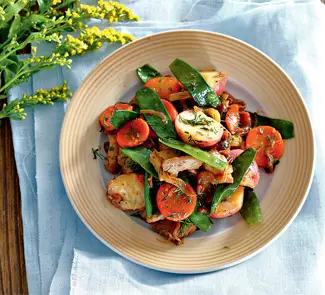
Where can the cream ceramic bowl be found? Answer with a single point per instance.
(254, 78)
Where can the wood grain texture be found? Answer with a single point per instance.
(12, 262)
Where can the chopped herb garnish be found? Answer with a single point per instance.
(178, 192)
(197, 120)
(96, 154)
(191, 139)
(133, 133)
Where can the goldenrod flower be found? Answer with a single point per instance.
(91, 39)
(15, 108)
(109, 10)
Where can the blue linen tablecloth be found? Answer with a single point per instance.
(59, 247)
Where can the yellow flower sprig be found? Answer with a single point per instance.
(105, 10)
(33, 65)
(91, 39)
(16, 108)
(108, 10)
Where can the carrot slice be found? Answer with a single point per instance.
(233, 118)
(170, 109)
(268, 143)
(174, 204)
(164, 86)
(133, 133)
(106, 116)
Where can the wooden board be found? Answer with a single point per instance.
(12, 261)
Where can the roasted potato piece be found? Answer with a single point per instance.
(126, 191)
(196, 128)
(231, 205)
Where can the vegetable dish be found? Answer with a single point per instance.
(186, 152)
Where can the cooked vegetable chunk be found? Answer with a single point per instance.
(268, 143)
(126, 191)
(164, 86)
(216, 80)
(285, 127)
(231, 205)
(120, 117)
(174, 204)
(106, 116)
(173, 231)
(111, 162)
(157, 159)
(133, 133)
(178, 164)
(197, 129)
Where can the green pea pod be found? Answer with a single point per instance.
(120, 117)
(141, 156)
(196, 153)
(147, 198)
(202, 221)
(147, 72)
(148, 99)
(196, 85)
(285, 127)
(185, 225)
(240, 166)
(251, 210)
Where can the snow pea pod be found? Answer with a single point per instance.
(240, 166)
(149, 100)
(196, 153)
(141, 155)
(202, 221)
(147, 72)
(251, 210)
(196, 85)
(285, 127)
(147, 197)
(120, 117)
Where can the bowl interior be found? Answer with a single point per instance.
(255, 79)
